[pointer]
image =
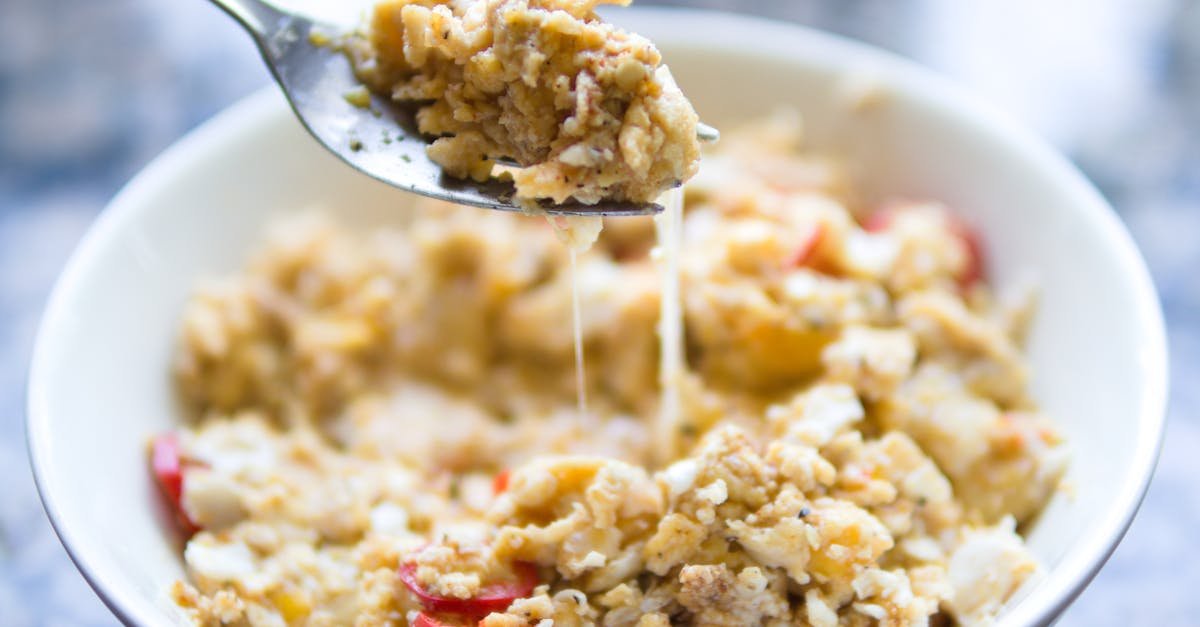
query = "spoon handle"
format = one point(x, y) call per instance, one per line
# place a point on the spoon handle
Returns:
point(256, 16)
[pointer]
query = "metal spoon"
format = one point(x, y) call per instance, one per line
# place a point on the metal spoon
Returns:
point(380, 140)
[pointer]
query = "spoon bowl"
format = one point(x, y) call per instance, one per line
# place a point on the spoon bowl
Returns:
point(381, 138)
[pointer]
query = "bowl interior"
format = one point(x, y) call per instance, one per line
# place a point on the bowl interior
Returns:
point(99, 384)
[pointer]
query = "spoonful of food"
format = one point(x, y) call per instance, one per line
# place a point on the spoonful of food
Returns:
point(606, 142)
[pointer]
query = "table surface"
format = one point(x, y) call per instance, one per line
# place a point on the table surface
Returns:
point(91, 91)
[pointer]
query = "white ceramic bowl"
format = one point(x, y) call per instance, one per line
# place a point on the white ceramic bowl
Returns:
point(99, 384)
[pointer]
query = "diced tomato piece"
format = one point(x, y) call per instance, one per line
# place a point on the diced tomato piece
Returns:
point(167, 465)
point(494, 597)
point(882, 219)
point(970, 239)
point(500, 483)
point(804, 252)
point(425, 620)
point(879, 220)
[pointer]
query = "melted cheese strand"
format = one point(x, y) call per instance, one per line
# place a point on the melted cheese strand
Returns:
point(577, 323)
point(668, 227)
point(578, 233)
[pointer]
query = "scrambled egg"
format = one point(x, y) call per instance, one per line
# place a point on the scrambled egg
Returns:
point(385, 430)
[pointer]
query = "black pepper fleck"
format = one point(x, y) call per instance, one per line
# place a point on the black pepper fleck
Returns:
point(804, 512)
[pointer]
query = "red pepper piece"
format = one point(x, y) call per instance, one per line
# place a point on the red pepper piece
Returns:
point(167, 465)
point(494, 597)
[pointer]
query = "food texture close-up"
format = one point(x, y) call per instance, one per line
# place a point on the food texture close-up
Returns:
point(517, 313)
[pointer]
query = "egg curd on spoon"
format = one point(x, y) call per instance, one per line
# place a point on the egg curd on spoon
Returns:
point(588, 111)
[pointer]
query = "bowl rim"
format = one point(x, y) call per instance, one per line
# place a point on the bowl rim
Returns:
point(775, 38)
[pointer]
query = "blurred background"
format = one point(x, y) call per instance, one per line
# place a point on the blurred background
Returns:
point(91, 91)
